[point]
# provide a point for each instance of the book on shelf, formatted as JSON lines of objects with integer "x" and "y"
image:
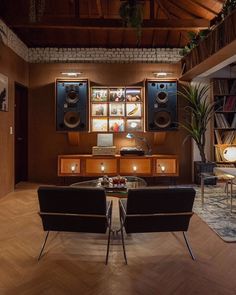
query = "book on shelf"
{"x": 221, "y": 121}
{"x": 233, "y": 124}
{"x": 221, "y": 86}
{"x": 228, "y": 137}
{"x": 233, "y": 88}
{"x": 218, "y": 137}
{"x": 229, "y": 103}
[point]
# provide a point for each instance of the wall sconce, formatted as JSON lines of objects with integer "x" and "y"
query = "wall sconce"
{"x": 73, "y": 168}
{"x": 143, "y": 139}
{"x": 102, "y": 167}
{"x": 163, "y": 168}
{"x": 161, "y": 74}
{"x": 230, "y": 153}
{"x": 134, "y": 169}
{"x": 71, "y": 74}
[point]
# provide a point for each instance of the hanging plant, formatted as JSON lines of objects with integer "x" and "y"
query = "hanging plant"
{"x": 228, "y": 7}
{"x": 36, "y": 10}
{"x": 131, "y": 13}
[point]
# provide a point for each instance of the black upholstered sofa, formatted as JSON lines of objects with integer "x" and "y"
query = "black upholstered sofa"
{"x": 75, "y": 210}
{"x": 153, "y": 209}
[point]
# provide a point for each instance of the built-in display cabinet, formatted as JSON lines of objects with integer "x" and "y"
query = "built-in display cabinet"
{"x": 116, "y": 109}
{"x": 88, "y": 165}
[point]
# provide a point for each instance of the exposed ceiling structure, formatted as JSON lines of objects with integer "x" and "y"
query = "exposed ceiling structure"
{"x": 96, "y": 23}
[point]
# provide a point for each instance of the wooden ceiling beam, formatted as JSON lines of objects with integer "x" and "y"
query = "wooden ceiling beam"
{"x": 116, "y": 24}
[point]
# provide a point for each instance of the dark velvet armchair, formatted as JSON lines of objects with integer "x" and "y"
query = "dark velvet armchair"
{"x": 75, "y": 210}
{"x": 153, "y": 209}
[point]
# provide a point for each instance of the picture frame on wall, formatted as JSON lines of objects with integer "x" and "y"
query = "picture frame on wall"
{"x": 117, "y": 109}
{"x": 99, "y": 94}
{"x": 99, "y": 109}
{"x": 3, "y": 93}
{"x": 117, "y": 94}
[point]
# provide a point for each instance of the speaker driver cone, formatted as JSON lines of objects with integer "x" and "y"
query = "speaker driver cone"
{"x": 72, "y": 97}
{"x": 162, "y": 97}
{"x": 71, "y": 119}
{"x": 162, "y": 119}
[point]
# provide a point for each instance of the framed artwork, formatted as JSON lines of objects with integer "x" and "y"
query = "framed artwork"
{"x": 133, "y": 94}
{"x": 134, "y": 125}
{"x": 116, "y": 125}
{"x": 99, "y": 125}
{"x": 3, "y": 93}
{"x": 117, "y": 109}
{"x": 117, "y": 94}
{"x": 99, "y": 94}
{"x": 133, "y": 110}
{"x": 99, "y": 109}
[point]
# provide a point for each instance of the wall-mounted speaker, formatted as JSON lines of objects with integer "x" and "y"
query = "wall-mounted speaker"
{"x": 71, "y": 105}
{"x": 161, "y": 105}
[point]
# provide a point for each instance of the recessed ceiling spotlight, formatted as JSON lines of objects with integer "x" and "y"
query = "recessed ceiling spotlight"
{"x": 71, "y": 74}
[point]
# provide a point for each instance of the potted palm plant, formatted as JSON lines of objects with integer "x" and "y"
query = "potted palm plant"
{"x": 201, "y": 111}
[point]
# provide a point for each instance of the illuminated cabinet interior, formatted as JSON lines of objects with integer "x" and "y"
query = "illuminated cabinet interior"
{"x": 88, "y": 165}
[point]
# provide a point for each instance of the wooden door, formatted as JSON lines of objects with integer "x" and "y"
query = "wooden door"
{"x": 21, "y": 133}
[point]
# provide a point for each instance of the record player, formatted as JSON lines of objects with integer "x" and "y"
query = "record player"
{"x": 127, "y": 150}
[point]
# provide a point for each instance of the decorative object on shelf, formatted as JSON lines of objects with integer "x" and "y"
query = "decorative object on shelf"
{"x": 36, "y": 10}
{"x": 230, "y": 153}
{"x": 201, "y": 111}
{"x": 131, "y": 13}
{"x": 143, "y": 139}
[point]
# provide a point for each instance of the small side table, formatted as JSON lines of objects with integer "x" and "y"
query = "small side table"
{"x": 226, "y": 177}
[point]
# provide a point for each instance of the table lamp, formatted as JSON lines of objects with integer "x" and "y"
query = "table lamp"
{"x": 143, "y": 139}
{"x": 229, "y": 153}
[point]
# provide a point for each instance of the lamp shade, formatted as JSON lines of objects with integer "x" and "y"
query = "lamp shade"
{"x": 230, "y": 153}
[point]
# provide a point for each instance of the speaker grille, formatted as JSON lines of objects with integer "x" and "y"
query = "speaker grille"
{"x": 71, "y": 105}
{"x": 161, "y": 105}
{"x": 72, "y": 119}
{"x": 162, "y": 119}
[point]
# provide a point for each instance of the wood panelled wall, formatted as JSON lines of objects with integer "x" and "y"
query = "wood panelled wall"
{"x": 16, "y": 70}
{"x": 45, "y": 143}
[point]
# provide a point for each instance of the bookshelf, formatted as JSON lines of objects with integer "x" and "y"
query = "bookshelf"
{"x": 224, "y": 94}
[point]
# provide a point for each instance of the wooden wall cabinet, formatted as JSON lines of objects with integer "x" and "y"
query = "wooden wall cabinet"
{"x": 88, "y": 165}
{"x": 135, "y": 166}
{"x": 166, "y": 166}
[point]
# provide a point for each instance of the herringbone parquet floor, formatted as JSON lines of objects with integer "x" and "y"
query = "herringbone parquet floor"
{"x": 74, "y": 263}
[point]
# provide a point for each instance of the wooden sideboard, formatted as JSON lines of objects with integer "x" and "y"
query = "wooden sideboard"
{"x": 89, "y": 165}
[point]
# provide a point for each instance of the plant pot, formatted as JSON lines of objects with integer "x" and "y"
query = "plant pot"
{"x": 200, "y": 167}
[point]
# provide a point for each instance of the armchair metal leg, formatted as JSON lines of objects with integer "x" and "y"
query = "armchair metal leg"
{"x": 188, "y": 246}
{"x": 44, "y": 244}
{"x": 123, "y": 243}
{"x": 109, "y": 236}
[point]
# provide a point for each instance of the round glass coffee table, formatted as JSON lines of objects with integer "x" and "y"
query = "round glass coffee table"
{"x": 116, "y": 191}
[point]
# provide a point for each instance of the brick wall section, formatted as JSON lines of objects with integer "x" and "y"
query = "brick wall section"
{"x": 12, "y": 41}
{"x": 88, "y": 55}
{"x": 104, "y": 55}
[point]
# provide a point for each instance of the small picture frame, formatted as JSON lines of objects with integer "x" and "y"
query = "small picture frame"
{"x": 117, "y": 94}
{"x": 3, "y": 93}
{"x": 99, "y": 109}
{"x": 116, "y": 125}
{"x": 133, "y": 110}
{"x": 134, "y": 125}
{"x": 99, "y": 125}
{"x": 117, "y": 109}
{"x": 133, "y": 94}
{"x": 99, "y": 94}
